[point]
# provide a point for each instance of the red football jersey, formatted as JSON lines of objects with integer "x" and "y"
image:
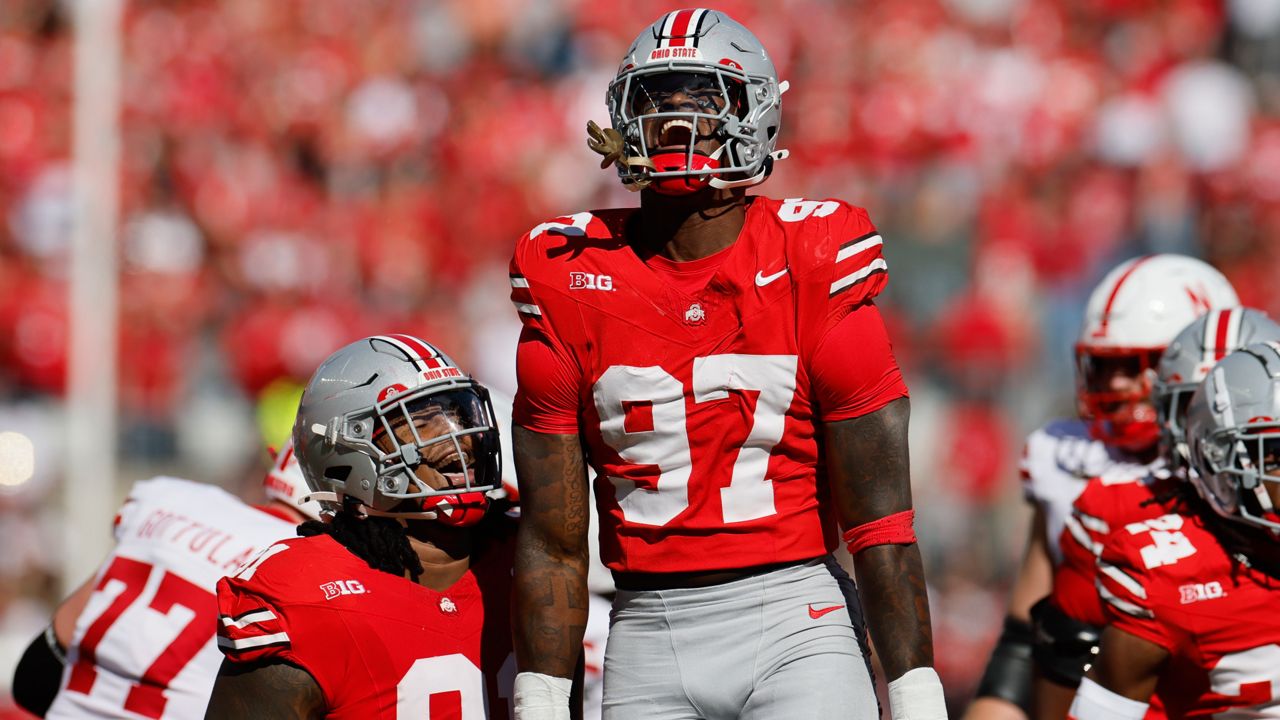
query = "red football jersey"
{"x": 378, "y": 645}
{"x": 700, "y": 410}
{"x": 1169, "y": 581}
{"x": 1107, "y": 503}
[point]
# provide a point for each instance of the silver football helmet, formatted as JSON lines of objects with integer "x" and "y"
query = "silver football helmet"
{"x": 392, "y": 424}
{"x": 1233, "y": 430}
{"x": 1189, "y": 358}
{"x": 729, "y": 91}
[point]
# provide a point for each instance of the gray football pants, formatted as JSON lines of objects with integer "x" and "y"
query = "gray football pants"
{"x": 787, "y": 644}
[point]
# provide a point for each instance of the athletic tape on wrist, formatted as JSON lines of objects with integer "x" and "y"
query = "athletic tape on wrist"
{"x": 917, "y": 695}
{"x": 895, "y": 529}
{"x": 541, "y": 697}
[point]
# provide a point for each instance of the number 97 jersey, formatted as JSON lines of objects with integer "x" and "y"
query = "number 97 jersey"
{"x": 699, "y": 388}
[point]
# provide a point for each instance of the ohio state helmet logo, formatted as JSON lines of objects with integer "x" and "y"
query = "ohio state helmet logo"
{"x": 390, "y": 390}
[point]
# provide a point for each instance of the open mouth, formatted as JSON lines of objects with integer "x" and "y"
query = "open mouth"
{"x": 675, "y": 134}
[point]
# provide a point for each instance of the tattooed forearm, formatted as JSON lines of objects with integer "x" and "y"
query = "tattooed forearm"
{"x": 891, "y": 584}
{"x": 273, "y": 691}
{"x": 870, "y": 476}
{"x": 551, "y": 552}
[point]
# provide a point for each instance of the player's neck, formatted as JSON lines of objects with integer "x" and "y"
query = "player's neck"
{"x": 445, "y": 555}
{"x": 687, "y": 227}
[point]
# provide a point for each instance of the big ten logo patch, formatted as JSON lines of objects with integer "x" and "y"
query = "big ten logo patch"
{"x": 1195, "y": 592}
{"x": 589, "y": 281}
{"x": 342, "y": 587}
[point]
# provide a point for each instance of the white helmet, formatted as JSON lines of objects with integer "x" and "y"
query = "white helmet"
{"x": 284, "y": 482}
{"x": 734, "y": 96}
{"x": 1187, "y": 361}
{"x": 1130, "y": 318}
{"x": 1233, "y": 428}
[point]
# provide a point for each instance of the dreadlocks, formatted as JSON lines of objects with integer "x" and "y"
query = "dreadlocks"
{"x": 381, "y": 542}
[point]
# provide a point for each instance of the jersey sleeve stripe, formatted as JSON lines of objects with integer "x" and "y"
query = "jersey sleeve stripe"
{"x": 860, "y": 238}
{"x": 249, "y": 643}
{"x": 1080, "y": 535}
{"x": 875, "y": 266}
{"x": 518, "y": 281}
{"x": 1123, "y": 579}
{"x": 1122, "y": 605}
{"x": 249, "y": 618}
{"x": 848, "y": 251}
{"x": 1093, "y": 524}
{"x": 528, "y": 309}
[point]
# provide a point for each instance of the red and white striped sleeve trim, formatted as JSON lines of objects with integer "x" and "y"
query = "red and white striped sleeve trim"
{"x": 250, "y": 631}
{"x": 522, "y": 298}
{"x": 857, "y": 260}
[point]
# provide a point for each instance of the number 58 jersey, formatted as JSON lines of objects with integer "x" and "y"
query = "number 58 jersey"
{"x": 144, "y": 644}
{"x": 699, "y": 388}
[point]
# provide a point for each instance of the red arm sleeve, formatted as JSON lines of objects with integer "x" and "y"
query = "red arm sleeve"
{"x": 547, "y": 391}
{"x": 854, "y": 371}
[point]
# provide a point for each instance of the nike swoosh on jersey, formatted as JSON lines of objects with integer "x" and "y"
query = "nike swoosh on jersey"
{"x": 762, "y": 279}
{"x": 815, "y": 614}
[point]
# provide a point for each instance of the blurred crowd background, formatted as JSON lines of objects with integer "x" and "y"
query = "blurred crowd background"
{"x": 300, "y": 173}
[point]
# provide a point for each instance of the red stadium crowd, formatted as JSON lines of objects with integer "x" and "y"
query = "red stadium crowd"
{"x": 298, "y": 174}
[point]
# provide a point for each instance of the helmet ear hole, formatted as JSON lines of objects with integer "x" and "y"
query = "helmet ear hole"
{"x": 338, "y": 473}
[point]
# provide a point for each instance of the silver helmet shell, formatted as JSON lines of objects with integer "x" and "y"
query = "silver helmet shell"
{"x": 359, "y": 435}
{"x": 1233, "y": 430}
{"x": 710, "y": 43}
{"x": 1188, "y": 359}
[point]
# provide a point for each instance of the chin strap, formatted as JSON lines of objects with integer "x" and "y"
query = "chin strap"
{"x": 365, "y": 511}
{"x": 613, "y": 151}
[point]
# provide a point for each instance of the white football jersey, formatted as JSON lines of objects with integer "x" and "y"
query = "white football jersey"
{"x": 1057, "y": 462}
{"x": 144, "y": 645}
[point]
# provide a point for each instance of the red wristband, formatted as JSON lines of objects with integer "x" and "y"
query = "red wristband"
{"x": 895, "y": 529}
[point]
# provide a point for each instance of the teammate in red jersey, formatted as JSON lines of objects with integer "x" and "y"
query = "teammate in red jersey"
{"x": 398, "y": 606}
{"x": 137, "y": 639}
{"x": 1130, "y": 317}
{"x": 1116, "y": 499}
{"x": 720, "y": 362}
{"x": 1191, "y": 595}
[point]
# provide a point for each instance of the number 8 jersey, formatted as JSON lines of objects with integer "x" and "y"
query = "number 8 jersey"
{"x": 699, "y": 388}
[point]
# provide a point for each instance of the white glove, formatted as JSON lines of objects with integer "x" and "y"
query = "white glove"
{"x": 917, "y": 695}
{"x": 541, "y": 697}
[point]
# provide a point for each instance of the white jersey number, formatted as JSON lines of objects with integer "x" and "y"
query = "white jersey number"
{"x": 172, "y": 603}
{"x": 445, "y": 686}
{"x": 1252, "y": 676}
{"x": 665, "y": 443}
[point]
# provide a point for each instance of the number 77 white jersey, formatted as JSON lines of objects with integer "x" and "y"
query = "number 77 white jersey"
{"x": 701, "y": 409}
{"x": 144, "y": 645}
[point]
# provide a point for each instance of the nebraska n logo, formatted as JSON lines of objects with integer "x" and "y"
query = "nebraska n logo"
{"x": 1199, "y": 299}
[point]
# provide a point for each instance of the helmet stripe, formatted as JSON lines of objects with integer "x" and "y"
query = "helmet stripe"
{"x": 427, "y": 354}
{"x": 679, "y": 29}
{"x": 409, "y": 353}
{"x": 1111, "y": 299}
{"x": 1222, "y": 337}
{"x": 699, "y": 17}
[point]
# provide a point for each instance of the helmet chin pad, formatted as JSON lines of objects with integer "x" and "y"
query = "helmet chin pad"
{"x": 461, "y": 510}
{"x": 678, "y": 162}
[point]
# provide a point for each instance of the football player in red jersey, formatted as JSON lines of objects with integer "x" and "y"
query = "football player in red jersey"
{"x": 137, "y": 638}
{"x": 398, "y": 606}
{"x": 1191, "y": 595}
{"x": 1130, "y": 317}
{"x": 1072, "y": 617}
{"x": 719, "y": 361}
